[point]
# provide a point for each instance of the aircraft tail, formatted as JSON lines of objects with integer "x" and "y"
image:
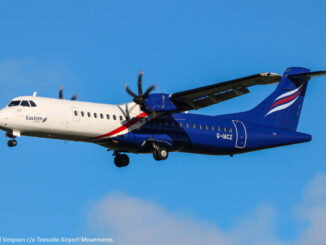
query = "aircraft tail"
{"x": 283, "y": 107}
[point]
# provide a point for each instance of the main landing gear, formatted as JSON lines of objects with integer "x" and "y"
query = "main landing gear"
{"x": 121, "y": 160}
{"x": 160, "y": 153}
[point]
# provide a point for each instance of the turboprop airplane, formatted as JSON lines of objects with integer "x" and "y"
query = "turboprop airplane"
{"x": 158, "y": 123}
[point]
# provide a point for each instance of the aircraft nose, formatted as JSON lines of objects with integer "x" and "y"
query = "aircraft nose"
{"x": 3, "y": 119}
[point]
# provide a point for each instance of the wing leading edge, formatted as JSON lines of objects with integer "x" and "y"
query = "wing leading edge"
{"x": 197, "y": 98}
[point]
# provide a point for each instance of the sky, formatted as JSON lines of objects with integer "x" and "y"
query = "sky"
{"x": 58, "y": 188}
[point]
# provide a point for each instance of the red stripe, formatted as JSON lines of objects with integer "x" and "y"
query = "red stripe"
{"x": 286, "y": 99}
{"x": 123, "y": 127}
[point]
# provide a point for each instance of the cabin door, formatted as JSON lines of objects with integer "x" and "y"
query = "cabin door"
{"x": 241, "y": 134}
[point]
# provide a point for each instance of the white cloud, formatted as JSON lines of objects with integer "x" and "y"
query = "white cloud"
{"x": 131, "y": 220}
{"x": 313, "y": 211}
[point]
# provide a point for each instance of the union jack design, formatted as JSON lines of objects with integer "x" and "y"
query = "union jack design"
{"x": 285, "y": 100}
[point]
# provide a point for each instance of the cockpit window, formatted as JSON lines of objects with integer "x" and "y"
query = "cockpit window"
{"x": 14, "y": 103}
{"x": 32, "y": 103}
{"x": 25, "y": 103}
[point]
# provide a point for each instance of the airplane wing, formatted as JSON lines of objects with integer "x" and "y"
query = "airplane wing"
{"x": 197, "y": 98}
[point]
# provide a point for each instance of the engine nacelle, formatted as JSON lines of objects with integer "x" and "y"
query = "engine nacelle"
{"x": 159, "y": 103}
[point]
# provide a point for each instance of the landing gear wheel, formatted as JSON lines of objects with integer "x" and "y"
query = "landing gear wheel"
{"x": 121, "y": 160}
{"x": 160, "y": 154}
{"x": 12, "y": 143}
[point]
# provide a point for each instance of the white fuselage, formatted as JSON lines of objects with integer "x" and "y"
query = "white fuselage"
{"x": 67, "y": 119}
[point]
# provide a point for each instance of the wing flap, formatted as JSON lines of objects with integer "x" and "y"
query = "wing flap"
{"x": 213, "y": 99}
{"x": 212, "y": 94}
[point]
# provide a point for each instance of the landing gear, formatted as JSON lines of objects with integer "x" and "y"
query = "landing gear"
{"x": 121, "y": 160}
{"x": 160, "y": 153}
{"x": 12, "y": 135}
{"x": 12, "y": 143}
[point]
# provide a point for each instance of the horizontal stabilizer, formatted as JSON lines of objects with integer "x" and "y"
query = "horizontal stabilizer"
{"x": 308, "y": 74}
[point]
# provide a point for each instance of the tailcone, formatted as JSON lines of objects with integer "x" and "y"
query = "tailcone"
{"x": 263, "y": 137}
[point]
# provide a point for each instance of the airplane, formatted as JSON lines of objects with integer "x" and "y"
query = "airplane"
{"x": 159, "y": 123}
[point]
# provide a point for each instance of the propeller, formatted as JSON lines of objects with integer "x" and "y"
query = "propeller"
{"x": 126, "y": 111}
{"x": 140, "y": 97}
{"x": 74, "y": 97}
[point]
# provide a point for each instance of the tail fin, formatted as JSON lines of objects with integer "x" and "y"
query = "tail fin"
{"x": 283, "y": 107}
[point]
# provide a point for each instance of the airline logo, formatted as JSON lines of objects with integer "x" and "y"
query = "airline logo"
{"x": 285, "y": 100}
{"x": 36, "y": 119}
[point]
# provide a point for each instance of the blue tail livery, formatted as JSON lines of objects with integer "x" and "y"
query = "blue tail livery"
{"x": 159, "y": 123}
{"x": 283, "y": 107}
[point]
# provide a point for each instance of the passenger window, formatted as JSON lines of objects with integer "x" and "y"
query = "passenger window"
{"x": 101, "y": 115}
{"x": 230, "y": 130}
{"x": 187, "y": 125}
{"x": 107, "y": 116}
{"x": 76, "y": 113}
{"x": 120, "y": 118}
{"x": 224, "y": 129}
{"x": 88, "y": 114}
{"x": 206, "y": 127}
{"x": 180, "y": 124}
{"x": 218, "y": 128}
{"x": 32, "y": 103}
{"x": 199, "y": 126}
{"x": 82, "y": 113}
{"x": 95, "y": 115}
{"x": 14, "y": 103}
{"x": 193, "y": 126}
{"x": 25, "y": 103}
{"x": 114, "y": 117}
{"x": 212, "y": 127}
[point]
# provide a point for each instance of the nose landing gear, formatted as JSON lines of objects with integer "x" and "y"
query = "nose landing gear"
{"x": 12, "y": 135}
{"x": 12, "y": 143}
{"x": 121, "y": 160}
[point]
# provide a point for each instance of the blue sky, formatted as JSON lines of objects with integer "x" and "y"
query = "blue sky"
{"x": 55, "y": 188}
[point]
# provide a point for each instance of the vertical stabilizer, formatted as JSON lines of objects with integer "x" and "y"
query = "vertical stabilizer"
{"x": 283, "y": 107}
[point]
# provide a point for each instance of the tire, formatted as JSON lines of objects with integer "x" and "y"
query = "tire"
{"x": 156, "y": 156}
{"x": 124, "y": 160}
{"x": 161, "y": 154}
{"x": 121, "y": 160}
{"x": 12, "y": 143}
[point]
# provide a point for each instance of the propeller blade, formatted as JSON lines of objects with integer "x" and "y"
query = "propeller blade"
{"x": 61, "y": 92}
{"x": 140, "y": 89}
{"x": 129, "y": 91}
{"x": 122, "y": 111}
{"x": 74, "y": 97}
{"x": 127, "y": 114}
{"x": 150, "y": 89}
